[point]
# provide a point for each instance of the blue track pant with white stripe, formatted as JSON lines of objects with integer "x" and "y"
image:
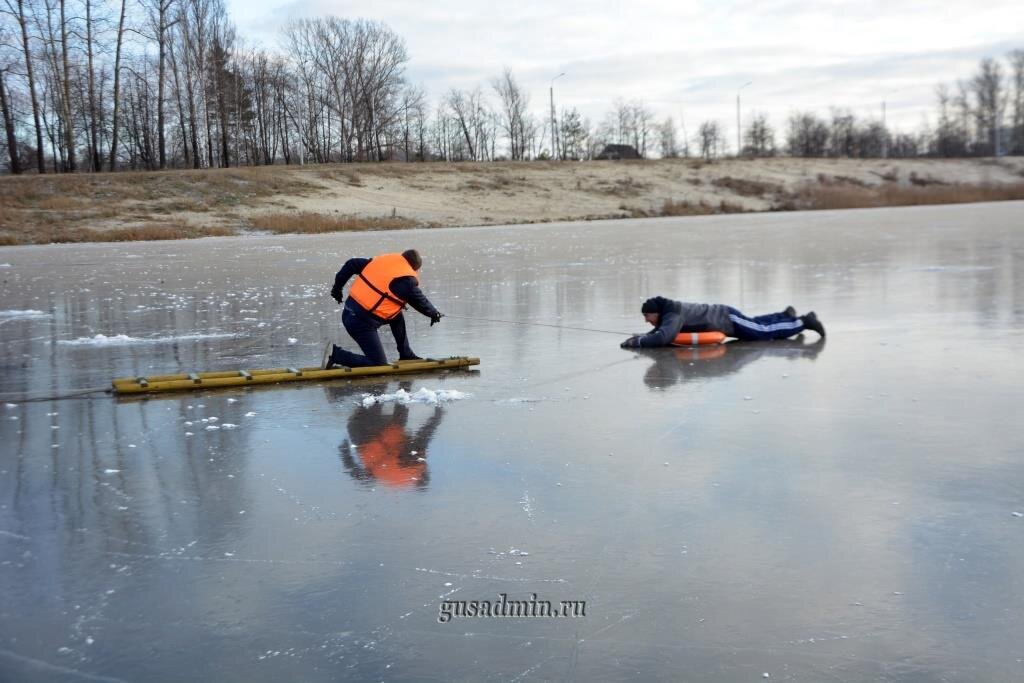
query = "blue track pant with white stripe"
{"x": 771, "y": 326}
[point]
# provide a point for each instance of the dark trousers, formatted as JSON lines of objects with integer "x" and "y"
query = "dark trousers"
{"x": 762, "y": 327}
{"x": 363, "y": 328}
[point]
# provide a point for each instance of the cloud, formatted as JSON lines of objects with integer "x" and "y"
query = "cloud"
{"x": 687, "y": 57}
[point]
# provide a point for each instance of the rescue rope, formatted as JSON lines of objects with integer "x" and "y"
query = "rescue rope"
{"x": 521, "y": 322}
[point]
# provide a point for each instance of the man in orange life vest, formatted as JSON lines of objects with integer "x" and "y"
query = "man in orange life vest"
{"x": 384, "y": 285}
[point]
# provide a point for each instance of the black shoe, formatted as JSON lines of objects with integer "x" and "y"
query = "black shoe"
{"x": 791, "y": 312}
{"x": 811, "y": 322}
{"x": 413, "y": 357}
{"x": 328, "y": 360}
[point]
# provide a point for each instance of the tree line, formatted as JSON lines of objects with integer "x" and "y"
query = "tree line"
{"x": 105, "y": 85}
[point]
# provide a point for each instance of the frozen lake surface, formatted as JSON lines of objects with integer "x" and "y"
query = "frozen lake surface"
{"x": 816, "y": 512}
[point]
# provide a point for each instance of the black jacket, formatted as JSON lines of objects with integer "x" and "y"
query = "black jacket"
{"x": 407, "y": 288}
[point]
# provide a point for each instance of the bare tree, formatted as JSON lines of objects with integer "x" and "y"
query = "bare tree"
{"x": 1017, "y": 101}
{"x": 93, "y": 103}
{"x": 710, "y": 136}
{"x": 950, "y": 139}
{"x": 667, "y": 144}
{"x": 514, "y": 104}
{"x": 465, "y": 108}
{"x": 989, "y": 103}
{"x": 873, "y": 140}
{"x": 759, "y": 137}
{"x": 114, "y": 120}
{"x": 20, "y": 12}
{"x": 8, "y": 116}
{"x": 843, "y": 134}
{"x": 161, "y": 19}
{"x": 575, "y": 135}
{"x": 807, "y": 135}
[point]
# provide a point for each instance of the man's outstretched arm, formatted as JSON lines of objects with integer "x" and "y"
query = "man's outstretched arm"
{"x": 408, "y": 289}
{"x": 353, "y": 266}
{"x": 665, "y": 333}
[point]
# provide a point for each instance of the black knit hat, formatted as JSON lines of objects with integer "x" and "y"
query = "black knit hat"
{"x": 650, "y": 306}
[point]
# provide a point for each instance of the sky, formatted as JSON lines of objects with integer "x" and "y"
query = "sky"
{"x": 687, "y": 59}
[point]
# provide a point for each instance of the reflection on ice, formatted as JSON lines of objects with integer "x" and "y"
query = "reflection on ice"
{"x": 865, "y": 502}
{"x": 382, "y": 448}
{"x": 680, "y": 365}
{"x": 125, "y": 340}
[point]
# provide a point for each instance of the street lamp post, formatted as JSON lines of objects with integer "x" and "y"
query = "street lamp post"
{"x": 885, "y": 130}
{"x": 885, "y": 135}
{"x": 739, "y": 146}
{"x": 554, "y": 152}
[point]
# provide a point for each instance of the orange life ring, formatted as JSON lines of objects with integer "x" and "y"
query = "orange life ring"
{"x": 698, "y": 338}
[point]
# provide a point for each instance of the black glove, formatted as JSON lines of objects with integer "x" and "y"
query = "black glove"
{"x": 435, "y": 317}
{"x": 337, "y": 295}
{"x": 631, "y": 343}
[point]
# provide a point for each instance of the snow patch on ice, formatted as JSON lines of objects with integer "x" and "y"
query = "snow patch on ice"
{"x": 422, "y": 395}
{"x": 125, "y": 340}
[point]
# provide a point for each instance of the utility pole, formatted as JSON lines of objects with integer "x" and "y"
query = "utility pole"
{"x": 554, "y": 144}
{"x": 739, "y": 146}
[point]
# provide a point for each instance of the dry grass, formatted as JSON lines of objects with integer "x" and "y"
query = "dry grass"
{"x": 620, "y": 187}
{"x": 702, "y": 208}
{"x": 746, "y": 187}
{"x": 350, "y": 177}
{"x": 160, "y": 205}
{"x": 890, "y": 176}
{"x": 312, "y": 223}
{"x": 498, "y": 181}
{"x": 925, "y": 181}
{"x": 207, "y": 189}
{"x": 67, "y": 208}
{"x": 841, "y": 180}
{"x": 148, "y": 231}
{"x": 839, "y": 197}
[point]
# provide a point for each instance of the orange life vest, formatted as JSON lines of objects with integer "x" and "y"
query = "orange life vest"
{"x": 372, "y": 288}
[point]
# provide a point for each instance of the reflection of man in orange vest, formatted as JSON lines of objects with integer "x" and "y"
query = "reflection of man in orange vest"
{"x": 384, "y": 285}
{"x": 387, "y": 454}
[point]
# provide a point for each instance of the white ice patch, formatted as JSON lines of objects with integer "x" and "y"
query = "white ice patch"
{"x": 125, "y": 340}
{"x": 27, "y": 313}
{"x": 422, "y": 395}
{"x": 951, "y": 269}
